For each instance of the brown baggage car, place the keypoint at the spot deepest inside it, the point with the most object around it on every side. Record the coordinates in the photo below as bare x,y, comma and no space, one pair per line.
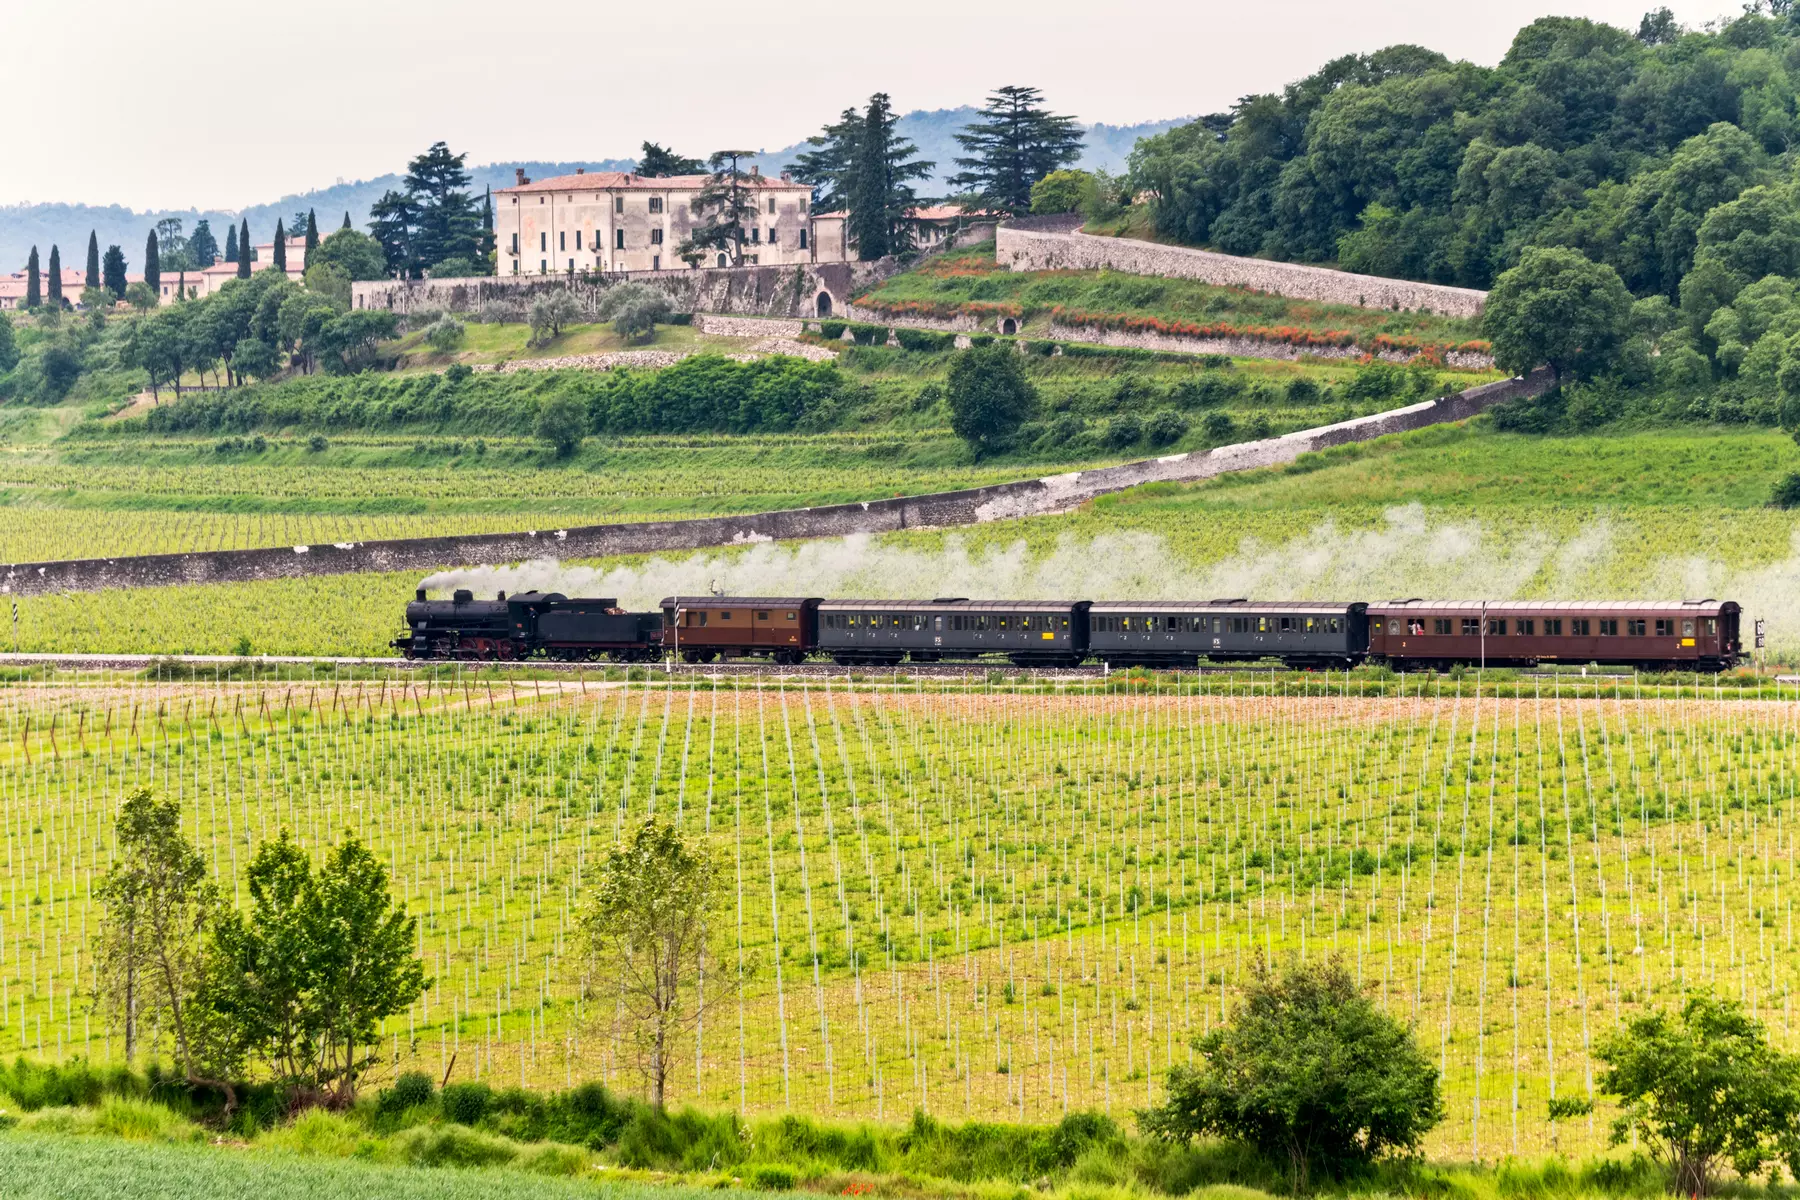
1692,635
703,628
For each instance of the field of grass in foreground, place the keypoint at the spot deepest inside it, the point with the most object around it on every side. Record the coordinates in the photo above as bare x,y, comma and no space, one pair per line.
986,904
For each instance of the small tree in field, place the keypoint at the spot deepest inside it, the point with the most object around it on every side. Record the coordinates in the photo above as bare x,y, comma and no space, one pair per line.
635,309
1701,1088
562,422
647,935
1310,1072
989,397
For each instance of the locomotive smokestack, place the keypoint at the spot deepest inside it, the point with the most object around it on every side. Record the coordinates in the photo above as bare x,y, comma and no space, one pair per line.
499,595
420,593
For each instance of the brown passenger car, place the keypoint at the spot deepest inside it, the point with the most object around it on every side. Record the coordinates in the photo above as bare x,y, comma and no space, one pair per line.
1684,635
703,628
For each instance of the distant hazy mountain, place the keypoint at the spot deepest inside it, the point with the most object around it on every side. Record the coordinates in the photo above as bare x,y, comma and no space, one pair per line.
25,225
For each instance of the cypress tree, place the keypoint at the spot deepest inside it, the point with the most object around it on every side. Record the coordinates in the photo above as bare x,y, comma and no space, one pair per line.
112,271
312,232
279,257
34,284
346,224
153,264
93,262
54,292
246,250
231,243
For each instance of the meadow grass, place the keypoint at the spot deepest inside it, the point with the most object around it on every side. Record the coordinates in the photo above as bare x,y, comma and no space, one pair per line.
983,903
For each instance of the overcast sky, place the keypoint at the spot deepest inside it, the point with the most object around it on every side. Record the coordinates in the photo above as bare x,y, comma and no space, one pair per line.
153,103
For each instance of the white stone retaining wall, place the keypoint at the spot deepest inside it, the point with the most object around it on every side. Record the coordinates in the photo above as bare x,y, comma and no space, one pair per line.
746,326
1245,347
1048,245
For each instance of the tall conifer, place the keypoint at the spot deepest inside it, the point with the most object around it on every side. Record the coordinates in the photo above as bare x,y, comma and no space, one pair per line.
53,294
279,256
231,253
153,263
346,224
312,232
112,271
34,284
93,262
246,250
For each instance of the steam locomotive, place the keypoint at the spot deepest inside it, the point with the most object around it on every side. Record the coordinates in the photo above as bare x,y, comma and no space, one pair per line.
1413,634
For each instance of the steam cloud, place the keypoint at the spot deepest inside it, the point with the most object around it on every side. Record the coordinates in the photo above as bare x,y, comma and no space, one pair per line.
1408,555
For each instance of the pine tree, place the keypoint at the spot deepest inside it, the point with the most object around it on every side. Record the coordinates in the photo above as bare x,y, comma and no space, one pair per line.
246,250
93,262
54,295
486,245
34,284
279,256
203,247
828,167
726,203
881,195
153,264
231,250
312,232
658,162
446,225
112,271
1016,143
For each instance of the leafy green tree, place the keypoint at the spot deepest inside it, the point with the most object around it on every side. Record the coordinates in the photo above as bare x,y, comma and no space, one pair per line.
34,286
278,256
445,221
203,247
659,162
1559,308
231,243
444,334
139,296
253,359
53,293
171,242
1310,1072
359,256
151,953
989,397
562,423
647,940
635,309
549,314
312,233
881,193
93,260
112,272
153,264
1058,192
1015,143
328,280
348,342
454,268
9,346
726,205
830,165
1703,1088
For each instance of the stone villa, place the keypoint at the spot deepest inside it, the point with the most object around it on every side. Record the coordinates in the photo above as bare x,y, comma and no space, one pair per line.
618,221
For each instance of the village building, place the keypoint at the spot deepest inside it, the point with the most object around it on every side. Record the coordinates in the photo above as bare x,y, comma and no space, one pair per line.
208,280
619,221
12,287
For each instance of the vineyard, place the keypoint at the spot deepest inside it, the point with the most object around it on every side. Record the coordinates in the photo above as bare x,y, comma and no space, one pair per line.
1001,902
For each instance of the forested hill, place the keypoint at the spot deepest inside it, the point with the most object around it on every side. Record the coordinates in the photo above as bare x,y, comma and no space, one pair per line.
25,225
1402,162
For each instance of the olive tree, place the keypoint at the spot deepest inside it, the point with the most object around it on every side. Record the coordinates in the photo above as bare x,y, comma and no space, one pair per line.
1557,307
1310,1072
647,941
635,309
1703,1087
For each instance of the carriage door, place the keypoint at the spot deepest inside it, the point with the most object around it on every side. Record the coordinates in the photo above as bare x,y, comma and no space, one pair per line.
763,629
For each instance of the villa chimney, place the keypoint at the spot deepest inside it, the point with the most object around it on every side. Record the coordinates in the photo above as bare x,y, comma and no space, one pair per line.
518,176
581,170
787,177
755,170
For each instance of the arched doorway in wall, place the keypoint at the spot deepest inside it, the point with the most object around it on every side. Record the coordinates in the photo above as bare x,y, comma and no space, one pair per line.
824,304
724,260
1009,326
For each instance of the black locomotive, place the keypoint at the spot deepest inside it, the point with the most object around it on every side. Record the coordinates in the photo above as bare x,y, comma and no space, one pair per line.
1406,634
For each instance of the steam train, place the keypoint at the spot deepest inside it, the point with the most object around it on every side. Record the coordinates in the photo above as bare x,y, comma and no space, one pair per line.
1416,635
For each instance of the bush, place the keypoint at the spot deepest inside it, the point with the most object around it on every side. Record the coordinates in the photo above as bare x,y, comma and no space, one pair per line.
833,330
444,334
457,372
1218,426
1303,390
1376,381
411,1090
465,1103
317,443
1787,491
1166,427
635,309
1124,430
928,340
772,1177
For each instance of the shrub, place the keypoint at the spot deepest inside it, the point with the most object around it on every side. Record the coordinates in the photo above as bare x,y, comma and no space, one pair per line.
457,372
411,1090
772,1177
465,1103
1166,427
833,330
451,1146
929,340
444,334
317,443
1303,390
635,309
1376,381
1218,426
1787,491
1124,430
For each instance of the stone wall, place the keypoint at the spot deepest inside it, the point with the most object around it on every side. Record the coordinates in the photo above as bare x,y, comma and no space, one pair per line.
1057,244
1029,497
790,291
747,327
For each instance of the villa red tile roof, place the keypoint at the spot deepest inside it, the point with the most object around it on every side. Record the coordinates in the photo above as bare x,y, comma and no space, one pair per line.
602,181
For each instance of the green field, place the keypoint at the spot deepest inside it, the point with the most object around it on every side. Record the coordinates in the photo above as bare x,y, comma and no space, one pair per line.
983,902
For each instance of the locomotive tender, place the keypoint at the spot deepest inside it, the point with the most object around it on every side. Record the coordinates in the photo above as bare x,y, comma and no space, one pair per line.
1409,635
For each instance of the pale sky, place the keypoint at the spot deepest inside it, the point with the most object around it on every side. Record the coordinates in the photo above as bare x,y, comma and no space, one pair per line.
222,103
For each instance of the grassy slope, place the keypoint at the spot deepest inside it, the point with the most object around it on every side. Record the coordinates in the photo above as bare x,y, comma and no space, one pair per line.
972,276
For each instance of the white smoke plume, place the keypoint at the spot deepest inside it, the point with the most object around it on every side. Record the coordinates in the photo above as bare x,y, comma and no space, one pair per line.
1407,555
